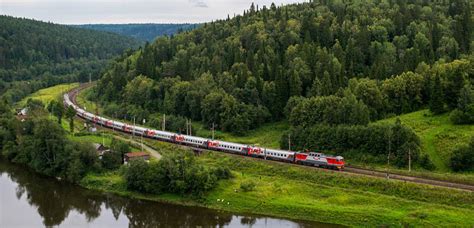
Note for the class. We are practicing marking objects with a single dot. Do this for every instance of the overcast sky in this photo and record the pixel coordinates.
(128, 11)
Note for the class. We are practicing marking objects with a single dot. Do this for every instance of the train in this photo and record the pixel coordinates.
(303, 158)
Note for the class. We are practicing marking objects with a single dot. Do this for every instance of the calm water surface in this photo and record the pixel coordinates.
(31, 200)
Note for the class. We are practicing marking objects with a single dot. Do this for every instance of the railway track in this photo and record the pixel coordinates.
(349, 170)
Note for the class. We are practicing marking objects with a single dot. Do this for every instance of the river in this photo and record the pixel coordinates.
(31, 200)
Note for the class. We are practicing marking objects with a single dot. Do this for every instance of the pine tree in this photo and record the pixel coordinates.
(315, 88)
(295, 84)
(436, 98)
(326, 88)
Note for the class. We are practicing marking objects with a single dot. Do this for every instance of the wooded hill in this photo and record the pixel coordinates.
(38, 51)
(142, 32)
(324, 62)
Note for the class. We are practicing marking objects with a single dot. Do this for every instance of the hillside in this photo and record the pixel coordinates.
(439, 136)
(328, 68)
(46, 54)
(142, 32)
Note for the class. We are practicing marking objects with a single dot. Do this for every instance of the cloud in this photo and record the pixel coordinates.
(198, 3)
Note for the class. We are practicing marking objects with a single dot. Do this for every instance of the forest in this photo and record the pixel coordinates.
(35, 54)
(142, 32)
(319, 63)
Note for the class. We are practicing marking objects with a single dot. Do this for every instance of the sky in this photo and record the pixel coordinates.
(129, 11)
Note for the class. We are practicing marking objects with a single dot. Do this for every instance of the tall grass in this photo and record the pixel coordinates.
(439, 137)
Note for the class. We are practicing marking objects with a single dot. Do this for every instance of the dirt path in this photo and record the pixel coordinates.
(432, 150)
(137, 144)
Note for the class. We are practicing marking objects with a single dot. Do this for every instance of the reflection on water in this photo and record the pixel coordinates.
(30, 200)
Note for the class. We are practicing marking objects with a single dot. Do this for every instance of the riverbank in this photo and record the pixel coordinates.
(47, 202)
(305, 193)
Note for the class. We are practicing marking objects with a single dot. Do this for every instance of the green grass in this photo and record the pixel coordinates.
(439, 137)
(305, 193)
(52, 93)
(93, 138)
(48, 94)
(82, 101)
(268, 135)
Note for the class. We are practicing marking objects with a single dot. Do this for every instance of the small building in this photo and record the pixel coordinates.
(136, 155)
(22, 114)
(101, 149)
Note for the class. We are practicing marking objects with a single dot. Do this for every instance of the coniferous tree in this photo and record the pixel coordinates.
(436, 103)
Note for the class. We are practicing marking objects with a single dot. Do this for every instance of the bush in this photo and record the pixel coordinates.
(120, 147)
(456, 116)
(247, 186)
(426, 163)
(223, 173)
(463, 158)
(178, 173)
(136, 175)
(111, 160)
(83, 158)
(459, 117)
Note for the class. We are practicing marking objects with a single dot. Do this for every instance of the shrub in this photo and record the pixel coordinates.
(223, 173)
(463, 158)
(120, 147)
(136, 175)
(459, 117)
(178, 173)
(247, 186)
(426, 163)
(111, 160)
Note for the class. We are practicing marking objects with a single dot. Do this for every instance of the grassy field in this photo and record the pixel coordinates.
(82, 101)
(439, 137)
(48, 94)
(306, 193)
(268, 135)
